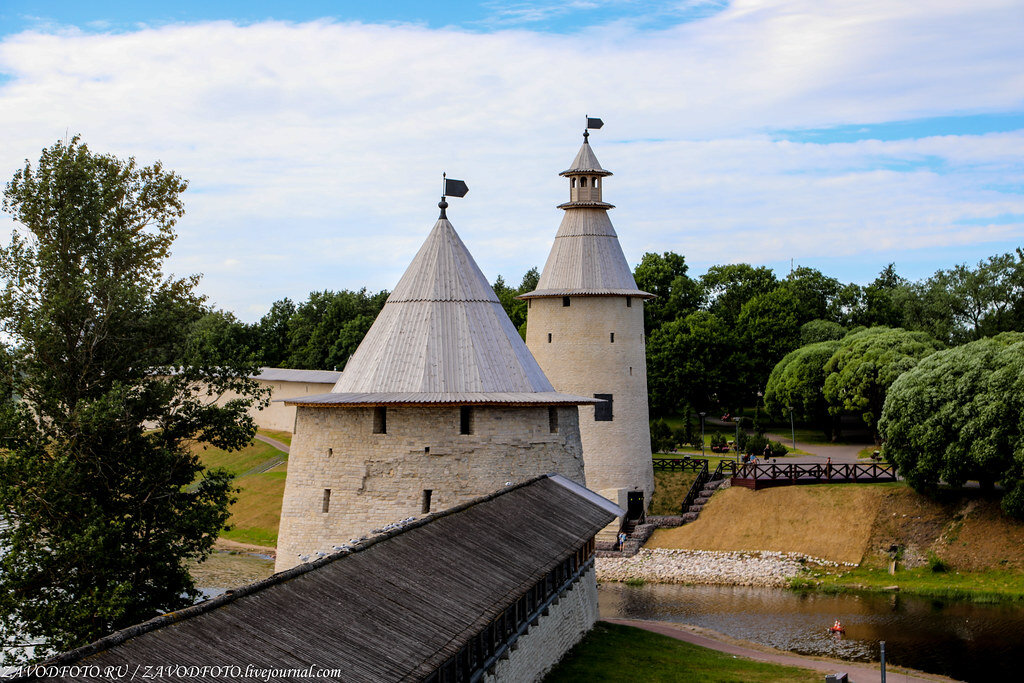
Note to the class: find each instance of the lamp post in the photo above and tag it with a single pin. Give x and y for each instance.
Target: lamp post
(757, 411)
(702, 414)
(792, 429)
(736, 419)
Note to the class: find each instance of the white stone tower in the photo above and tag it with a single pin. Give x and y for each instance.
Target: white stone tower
(440, 404)
(585, 326)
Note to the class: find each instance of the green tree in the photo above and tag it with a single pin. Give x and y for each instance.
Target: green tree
(727, 288)
(866, 364)
(821, 330)
(689, 364)
(326, 329)
(677, 295)
(814, 293)
(272, 333)
(106, 500)
(955, 416)
(799, 381)
(769, 327)
(983, 300)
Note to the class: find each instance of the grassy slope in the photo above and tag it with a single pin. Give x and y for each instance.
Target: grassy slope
(831, 522)
(611, 652)
(669, 490)
(256, 514)
(983, 549)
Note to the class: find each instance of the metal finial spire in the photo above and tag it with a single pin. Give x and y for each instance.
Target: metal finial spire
(455, 188)
(442, 205)
(586, 134)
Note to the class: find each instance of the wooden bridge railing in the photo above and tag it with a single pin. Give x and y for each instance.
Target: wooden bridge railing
(763, 475)
(680, 464)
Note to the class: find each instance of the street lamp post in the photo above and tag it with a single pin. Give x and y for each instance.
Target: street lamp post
(736, 419)
(792, 429)
(702, 414)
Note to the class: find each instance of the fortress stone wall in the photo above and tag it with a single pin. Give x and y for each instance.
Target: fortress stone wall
(580, 357)
(375, 479)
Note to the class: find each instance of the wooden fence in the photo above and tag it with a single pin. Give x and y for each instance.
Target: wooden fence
(764, 475)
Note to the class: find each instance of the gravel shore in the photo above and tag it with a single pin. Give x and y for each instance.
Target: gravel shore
(659, 565)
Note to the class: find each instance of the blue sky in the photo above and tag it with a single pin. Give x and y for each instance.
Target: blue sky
(841, 134)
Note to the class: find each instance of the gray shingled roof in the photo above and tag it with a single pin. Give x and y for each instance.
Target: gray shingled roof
(586, 259)
(394, 607)
(586, 162)
(292, 375)
(443, 332)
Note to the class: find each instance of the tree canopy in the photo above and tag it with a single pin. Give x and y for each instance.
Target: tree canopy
(956, 416)
(798, 381)
(107, 501)
(866, 364)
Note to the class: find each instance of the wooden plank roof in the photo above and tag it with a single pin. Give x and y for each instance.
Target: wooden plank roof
(393, 607)
(586, 259)
(453, 398)
(585, 162)
(443, 331)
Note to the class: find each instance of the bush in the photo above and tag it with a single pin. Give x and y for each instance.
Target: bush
(661, 437)
(936, 564)
(755, 444)
(778, 450)
(719, 441)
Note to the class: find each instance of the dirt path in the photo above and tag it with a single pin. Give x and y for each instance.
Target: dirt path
(279, 445)
(859, 673)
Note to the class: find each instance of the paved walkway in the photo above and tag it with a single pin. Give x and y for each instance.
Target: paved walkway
(838, 452)
(858, 673)
(279, 445)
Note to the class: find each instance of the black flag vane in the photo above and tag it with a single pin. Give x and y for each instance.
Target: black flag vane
(452, 188)
(591, 123)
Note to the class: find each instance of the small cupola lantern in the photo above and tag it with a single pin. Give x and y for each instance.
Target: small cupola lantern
(585, 175)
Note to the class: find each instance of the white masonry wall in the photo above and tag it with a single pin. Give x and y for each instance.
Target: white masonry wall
(544, 645)
(376, 479)
(582, 359)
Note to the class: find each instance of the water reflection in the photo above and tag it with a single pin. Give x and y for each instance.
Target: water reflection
(967, 641)
(225, 570)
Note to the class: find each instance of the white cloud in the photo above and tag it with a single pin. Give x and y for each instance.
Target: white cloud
(314, 150)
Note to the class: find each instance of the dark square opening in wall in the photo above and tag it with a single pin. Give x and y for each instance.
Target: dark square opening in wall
(553, 419)
(380, 420)
(603, 411)
(326, 505)
(629, 302)
(565, 301)
(466, 420)
(427, 494)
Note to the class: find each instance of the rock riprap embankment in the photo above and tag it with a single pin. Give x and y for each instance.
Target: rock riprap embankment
(660, 565)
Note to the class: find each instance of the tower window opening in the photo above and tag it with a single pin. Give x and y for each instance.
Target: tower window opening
(565, 301)
(572, 182)
(594, 182)
(553, 419)
(630, 371)
(603, 411)
(549, 337)
(583, 181)
(629, 302)
(613, 337)
(466, 420)
(325, 506)
(426, 449)
(427, 493)
(380, 420)
(330, 452)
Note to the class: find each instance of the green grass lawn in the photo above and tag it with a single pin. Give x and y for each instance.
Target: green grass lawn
(991, 586)
(257, 512)
(669, 490)
(282, 436)
(611, 652)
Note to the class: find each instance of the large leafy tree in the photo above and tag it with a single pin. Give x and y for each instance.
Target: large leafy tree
(727, 288)
(866, 364)
(956, 416)
(106, 501)
(676, 294)
(815, 293)
(798, 381)
(326, 329)
(769, 327)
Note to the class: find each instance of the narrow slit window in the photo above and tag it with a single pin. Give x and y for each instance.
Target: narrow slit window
(629, 302)
(326, 505)
(466, 420)
(380, 420)
(565, 301)
(603, 410)
(330, 452)
(549, 337)
(613, 337)
(427, 493)
(595, 182)
(553, 419)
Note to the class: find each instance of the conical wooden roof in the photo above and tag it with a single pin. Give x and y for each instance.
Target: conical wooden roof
(442, 337)
(586, 258)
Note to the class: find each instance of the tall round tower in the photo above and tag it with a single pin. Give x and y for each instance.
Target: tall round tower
(585, 327)
(440, 404)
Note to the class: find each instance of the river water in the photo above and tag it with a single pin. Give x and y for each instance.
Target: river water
(966, 641)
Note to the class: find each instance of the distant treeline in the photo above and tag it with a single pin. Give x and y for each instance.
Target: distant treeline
(712, 341)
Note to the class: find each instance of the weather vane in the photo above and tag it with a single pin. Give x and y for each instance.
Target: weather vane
(591, 123)
(450, 188)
